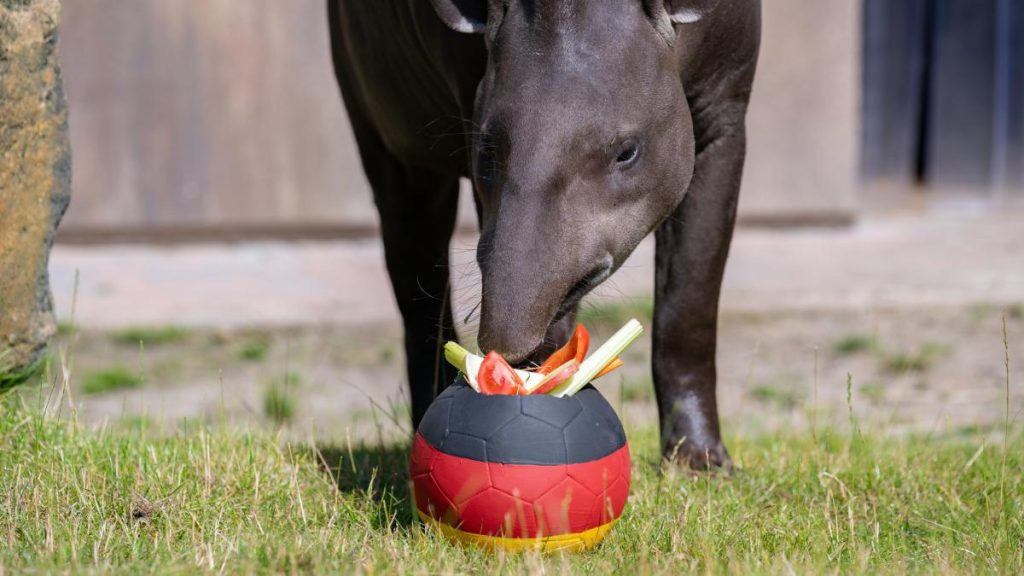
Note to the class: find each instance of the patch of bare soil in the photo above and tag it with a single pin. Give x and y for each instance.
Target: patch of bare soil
(927, 371)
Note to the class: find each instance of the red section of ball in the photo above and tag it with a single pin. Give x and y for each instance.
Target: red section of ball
(519, 500)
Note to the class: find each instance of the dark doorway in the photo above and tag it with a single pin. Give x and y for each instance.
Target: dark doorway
(943, 93)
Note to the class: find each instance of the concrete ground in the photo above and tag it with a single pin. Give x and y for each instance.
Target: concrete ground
(893, 261)
(903, 312)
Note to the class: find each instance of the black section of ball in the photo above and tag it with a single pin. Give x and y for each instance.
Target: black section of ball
(537, 429)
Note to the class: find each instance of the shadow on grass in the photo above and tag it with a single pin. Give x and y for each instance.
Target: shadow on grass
(377, 472)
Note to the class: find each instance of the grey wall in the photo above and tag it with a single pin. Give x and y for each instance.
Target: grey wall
(804, 119)
(213, 112)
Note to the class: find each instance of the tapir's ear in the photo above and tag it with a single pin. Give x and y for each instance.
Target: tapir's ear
(686, 11)
(469, 16)
(664, 12)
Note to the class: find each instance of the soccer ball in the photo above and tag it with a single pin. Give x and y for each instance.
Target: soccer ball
(518, 472)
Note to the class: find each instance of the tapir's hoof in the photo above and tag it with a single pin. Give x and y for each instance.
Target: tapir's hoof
(690, 456)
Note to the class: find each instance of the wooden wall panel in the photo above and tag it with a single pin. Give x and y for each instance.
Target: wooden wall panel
(212, 113)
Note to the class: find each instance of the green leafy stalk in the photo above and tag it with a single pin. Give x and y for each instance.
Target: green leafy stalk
(456, 355)
(603, 356)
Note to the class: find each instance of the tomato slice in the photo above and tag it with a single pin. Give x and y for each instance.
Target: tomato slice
(497, 377)
(559, 375)
(576, 349)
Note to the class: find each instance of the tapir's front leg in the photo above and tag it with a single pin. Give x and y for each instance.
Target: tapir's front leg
(692, 246)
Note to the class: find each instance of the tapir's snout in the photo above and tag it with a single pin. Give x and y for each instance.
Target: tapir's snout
(515, 340)
(526, 314)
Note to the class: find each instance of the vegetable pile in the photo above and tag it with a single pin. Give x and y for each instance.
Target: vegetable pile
(563, 374)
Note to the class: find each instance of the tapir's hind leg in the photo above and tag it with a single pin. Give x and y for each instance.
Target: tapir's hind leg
(417, 210)
(417, 216)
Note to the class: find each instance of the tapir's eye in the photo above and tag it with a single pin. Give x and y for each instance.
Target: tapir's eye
(627, 154)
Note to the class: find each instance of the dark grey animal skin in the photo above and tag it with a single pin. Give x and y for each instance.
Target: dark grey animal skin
(584, 126)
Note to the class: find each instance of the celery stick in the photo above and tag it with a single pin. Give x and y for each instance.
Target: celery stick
(600, 358)
(456, 355)
(460, 358)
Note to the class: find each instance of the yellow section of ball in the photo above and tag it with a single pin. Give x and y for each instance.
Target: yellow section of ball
(576, 542)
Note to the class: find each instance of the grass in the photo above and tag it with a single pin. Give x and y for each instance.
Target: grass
(278, 404)
(279, 398)
(854, 344)
(903, 362)
(149, 335)
(254, 350)
(210, 496)
(213, 497)
(783, 396)
(386, 354)
(919, 360)
(873, 391)
(636, 389)
(615, 313)
(111, 379)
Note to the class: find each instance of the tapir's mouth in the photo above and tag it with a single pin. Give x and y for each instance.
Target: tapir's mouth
(595, 276)
(580, 289)
(541, 348)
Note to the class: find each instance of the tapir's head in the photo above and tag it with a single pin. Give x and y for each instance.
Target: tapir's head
(582, 144)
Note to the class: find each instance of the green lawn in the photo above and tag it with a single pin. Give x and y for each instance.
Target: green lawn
(137, 497)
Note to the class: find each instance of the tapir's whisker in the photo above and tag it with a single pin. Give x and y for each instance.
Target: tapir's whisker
(471, 311)
(425, 292)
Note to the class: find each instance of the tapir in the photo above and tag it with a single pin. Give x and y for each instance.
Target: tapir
(583, 126)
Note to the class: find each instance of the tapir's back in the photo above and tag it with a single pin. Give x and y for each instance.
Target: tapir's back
(717, 55)
(407, 77)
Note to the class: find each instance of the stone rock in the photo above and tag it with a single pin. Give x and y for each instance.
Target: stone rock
(35, 178)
